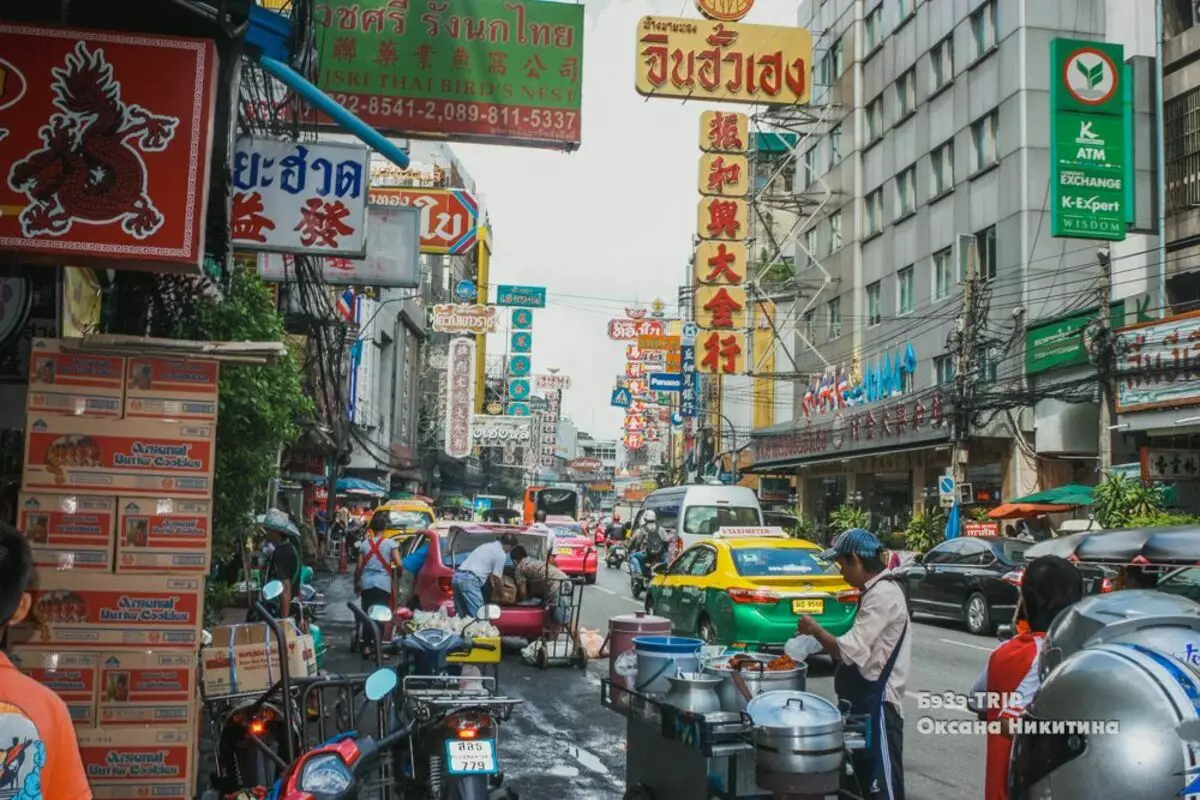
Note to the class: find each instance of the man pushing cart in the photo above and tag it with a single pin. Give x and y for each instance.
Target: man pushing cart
(562, 597)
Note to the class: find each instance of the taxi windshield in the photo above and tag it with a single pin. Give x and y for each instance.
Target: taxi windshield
(408, 520)
(567, 531)
(779, 562)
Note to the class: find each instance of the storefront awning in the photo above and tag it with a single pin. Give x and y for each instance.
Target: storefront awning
(360, 487)
(1017, 510)
(790, 467)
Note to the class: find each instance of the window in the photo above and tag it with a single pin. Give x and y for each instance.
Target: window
(983, 141)
(706, 520)
(810, 166)
(906, 382)
(943, 274)
(837, 59)
(904, 286)
(905, 7)
(874, 203)
(835, 231)
(906, 192)
(906, 100)
(779, 562)
(835, 146)
(810, 325)
(705, 563)
(875, 119)
(810, 242)
(941, 168)
(873, 29)
(987, 368)
(985, 252)
(874, 311)
(834, 309)
(941, 63)
(943, 370)
(983, 29)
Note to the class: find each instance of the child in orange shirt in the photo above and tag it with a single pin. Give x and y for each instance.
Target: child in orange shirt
(39, 755)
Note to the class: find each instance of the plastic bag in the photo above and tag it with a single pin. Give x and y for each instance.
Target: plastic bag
(800, 648)
(592, 641)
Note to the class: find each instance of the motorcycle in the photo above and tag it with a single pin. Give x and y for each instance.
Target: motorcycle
(616, 555)
(639, 575)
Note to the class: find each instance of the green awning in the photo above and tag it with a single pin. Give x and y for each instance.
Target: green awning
(772, 142)
(1071, 494)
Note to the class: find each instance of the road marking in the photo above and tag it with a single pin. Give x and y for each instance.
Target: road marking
(635, 602)
(606, 591)
(966, 644)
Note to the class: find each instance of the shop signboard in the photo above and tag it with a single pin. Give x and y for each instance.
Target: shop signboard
(521, 296)
(630, 329)
(522, 319)
(299, 197)
(724, 132)
(635, 354)
(666, 382)
(452, 318)
(472, 70)
(720, 263)
(1170, 464)
(449, 217)
(392, 261)
(518, 366)
(1088, 146)
(585, 464)
(521, 342)
(1060, 343)
(976, 528)
(722, 353)
(658, 343)
(689, 398)
(720, 218)
(465, 291)
(518, 389)
(724, 175)
(518, 410)
(1156, 366)
(553, 383)
(724, 10)
(497, 431)
(460, 398)
(136, 110)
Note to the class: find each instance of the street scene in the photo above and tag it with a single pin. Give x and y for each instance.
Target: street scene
(598, 399)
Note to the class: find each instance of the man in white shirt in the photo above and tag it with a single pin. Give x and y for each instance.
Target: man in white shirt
(483, 562)
(873, 659)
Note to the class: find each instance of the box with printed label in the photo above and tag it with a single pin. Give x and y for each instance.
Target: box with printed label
(84, 611)
(139, 763)
(162, 388)
(146, 688)
(163, 534)
(64, 380)
(68, 531)
(120, 456)
(245, 658)
(71, 675)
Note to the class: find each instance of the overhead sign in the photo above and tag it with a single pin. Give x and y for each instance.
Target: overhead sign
(521, 296)
(451, 318)
(518, 389)
(518, 366)
(522, 319)
(630, 328)
(505, 73)
(299, 197)
(460, 398)
(1156, 366)
(465, 291)
(724, 62)
(1060, 343)
(554, 382)
(521, 342)
(449, 217)
(105, 145)
(620, 397)
(492, 431)
(1088, 147)
(664, 343)
(666, 382)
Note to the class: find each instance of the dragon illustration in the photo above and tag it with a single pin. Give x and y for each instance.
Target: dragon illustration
(90, 169)
(11, 761)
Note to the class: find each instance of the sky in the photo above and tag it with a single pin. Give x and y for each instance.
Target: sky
(609, 225)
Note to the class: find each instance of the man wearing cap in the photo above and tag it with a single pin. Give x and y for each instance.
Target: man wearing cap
(873, 659)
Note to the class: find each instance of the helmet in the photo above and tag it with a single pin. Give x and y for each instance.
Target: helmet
(649, 517)
(1145, 617)
(1144, 701)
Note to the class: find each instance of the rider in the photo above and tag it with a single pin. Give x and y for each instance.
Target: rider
(647, 546)
(615, 531)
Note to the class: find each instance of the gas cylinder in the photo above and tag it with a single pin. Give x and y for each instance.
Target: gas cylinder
(622, 658)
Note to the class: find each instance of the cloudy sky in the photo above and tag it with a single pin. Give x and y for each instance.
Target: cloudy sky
(609, 225)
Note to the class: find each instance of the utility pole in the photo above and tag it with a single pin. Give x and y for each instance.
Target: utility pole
(1103, 362)
(962, 369)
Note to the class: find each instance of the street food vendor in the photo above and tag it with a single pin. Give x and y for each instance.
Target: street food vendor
(873, 660)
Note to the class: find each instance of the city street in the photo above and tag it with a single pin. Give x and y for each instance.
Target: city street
(562, 745)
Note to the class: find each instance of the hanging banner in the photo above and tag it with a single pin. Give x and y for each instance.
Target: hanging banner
(449, 217)
(451, 318)
(460, 398)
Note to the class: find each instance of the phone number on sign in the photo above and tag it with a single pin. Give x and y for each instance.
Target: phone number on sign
(543, 121)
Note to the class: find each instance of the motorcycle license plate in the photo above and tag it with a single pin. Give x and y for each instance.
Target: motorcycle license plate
(471, 757)
(810, 606)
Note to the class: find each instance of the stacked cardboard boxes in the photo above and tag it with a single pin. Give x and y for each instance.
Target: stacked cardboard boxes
(117, 505)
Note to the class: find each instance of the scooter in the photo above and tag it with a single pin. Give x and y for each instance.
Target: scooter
(616, 555)
(639, 578)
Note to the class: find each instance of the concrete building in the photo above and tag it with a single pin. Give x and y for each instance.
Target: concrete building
(930, 151)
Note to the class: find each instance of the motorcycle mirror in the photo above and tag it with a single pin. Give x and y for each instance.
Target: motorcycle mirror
(380, 684)
(272, 590)
(488, 613)
(380, 613)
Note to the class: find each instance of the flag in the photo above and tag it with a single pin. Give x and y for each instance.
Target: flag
(843, 388)
(806, 403)
(347, 305)
(910, 359)
(953, 522)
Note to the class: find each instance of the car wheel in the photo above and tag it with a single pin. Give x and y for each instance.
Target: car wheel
(590, 579)
(706, 631)
(979, 616)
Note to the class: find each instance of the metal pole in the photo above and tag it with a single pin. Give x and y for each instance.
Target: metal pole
(962, 369)
(1161, 157)
(1103, 362)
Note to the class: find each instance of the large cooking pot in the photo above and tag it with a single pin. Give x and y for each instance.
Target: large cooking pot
(739, 686)
(796, 733)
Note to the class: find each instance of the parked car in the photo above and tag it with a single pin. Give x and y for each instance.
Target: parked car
(976, 580)
(574, 551)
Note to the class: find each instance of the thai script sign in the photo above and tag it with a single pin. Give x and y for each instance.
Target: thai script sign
(460, 398)
(449, 217)
(105, 143)
(631, 329)
(521, 296)
(553, 382)
(723, 61)
(299, 197)
(1158, 365)
(585, 464)
(508, 73)
(496, 431)
(451, 318)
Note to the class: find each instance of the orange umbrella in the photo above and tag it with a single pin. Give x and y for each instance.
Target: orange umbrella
(1015, 510)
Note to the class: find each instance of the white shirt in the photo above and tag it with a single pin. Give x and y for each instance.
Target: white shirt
(882, 617)
(545, 530)
(485, 560)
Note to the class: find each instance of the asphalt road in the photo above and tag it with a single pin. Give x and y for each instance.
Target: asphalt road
(563, 745)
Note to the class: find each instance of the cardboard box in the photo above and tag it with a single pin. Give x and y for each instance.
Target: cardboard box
(245, 658)
(146, 688)
(140, 763)
(72, 675)
(142, 457)
(160, 388)
(66, 381)
(84, 611)
(67, 531)
(162, 534)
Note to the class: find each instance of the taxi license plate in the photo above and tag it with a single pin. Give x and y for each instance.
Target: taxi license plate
(471, 757)
(563, 551)
(812, 606)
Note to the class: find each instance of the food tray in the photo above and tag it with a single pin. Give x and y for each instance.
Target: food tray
(479, 655)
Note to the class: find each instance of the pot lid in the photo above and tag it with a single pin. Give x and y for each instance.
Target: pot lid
(787, 711)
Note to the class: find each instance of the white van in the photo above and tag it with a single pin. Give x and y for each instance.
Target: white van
(698, 512)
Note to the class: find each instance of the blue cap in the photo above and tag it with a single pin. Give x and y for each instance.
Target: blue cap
(854, 542)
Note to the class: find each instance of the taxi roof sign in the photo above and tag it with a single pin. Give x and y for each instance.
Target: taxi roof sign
(742, 533)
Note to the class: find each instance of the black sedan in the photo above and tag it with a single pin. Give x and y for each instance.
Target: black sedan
(977, 580)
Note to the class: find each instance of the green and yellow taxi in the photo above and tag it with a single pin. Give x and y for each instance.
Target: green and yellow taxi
(405, 517)
(748, 587)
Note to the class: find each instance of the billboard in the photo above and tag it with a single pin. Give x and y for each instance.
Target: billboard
(451, 318)
(460, 398)
(449, 217)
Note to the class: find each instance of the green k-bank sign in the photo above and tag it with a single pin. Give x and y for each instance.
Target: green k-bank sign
(1060, 343)
(1088, 144)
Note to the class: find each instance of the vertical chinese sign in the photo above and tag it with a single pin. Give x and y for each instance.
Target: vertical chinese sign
(460, 397)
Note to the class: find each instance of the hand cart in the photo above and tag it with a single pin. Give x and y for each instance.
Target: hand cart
(560, 644)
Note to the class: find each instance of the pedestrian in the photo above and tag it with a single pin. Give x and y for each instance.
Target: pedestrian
(540, 526)
(283, 561)
(320, 522)
(378, 556)
(1049, 585)
(483, 562)
(872, 661)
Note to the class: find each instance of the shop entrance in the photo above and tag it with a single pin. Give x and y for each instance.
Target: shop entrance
(890, 501)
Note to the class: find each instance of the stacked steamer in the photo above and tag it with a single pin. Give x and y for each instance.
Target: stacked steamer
(117, 505)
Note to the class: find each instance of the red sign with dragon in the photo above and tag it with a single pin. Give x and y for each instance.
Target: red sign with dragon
(105, 144)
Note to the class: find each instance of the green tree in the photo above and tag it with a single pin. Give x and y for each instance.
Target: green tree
(926, 529)
(846, 517)
(1118, 500)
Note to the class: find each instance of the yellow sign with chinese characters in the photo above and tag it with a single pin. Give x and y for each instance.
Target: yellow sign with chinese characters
(763, 389)
(720, 263)
(728, 62)
(724, 175)
(723, 218)
(724, 132)
(721, 353)
(720, 307)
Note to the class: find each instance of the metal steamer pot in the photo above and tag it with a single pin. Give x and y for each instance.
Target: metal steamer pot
(740, 685)
(799, 739)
